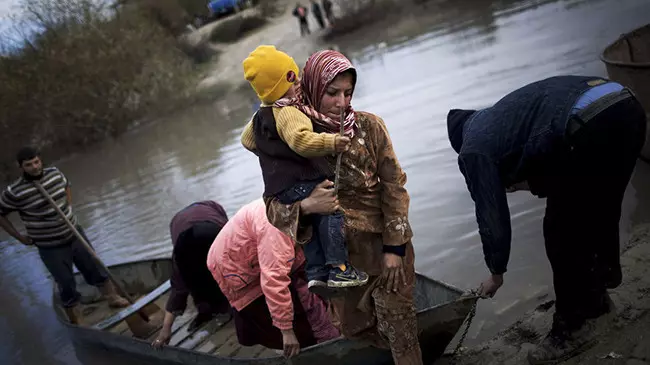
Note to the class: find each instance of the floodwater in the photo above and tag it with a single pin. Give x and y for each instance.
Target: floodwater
(466, 54)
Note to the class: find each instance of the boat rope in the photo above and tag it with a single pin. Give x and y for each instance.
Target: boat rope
(468, 322)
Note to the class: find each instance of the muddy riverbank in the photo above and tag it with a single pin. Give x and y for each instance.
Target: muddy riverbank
(623, 336)
(281, 31)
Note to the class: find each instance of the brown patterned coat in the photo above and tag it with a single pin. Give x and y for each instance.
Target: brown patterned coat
(376, 207)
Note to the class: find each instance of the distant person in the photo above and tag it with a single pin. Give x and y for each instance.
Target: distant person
(329, 14)
(57, 244)
(573, 140)
(318, 13)
(192, 230)
(301, 13)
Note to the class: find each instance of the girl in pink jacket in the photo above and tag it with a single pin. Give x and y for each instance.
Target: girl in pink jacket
(261, 273)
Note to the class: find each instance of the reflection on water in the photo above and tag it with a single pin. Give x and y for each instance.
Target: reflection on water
(450, 55)
(29, 333)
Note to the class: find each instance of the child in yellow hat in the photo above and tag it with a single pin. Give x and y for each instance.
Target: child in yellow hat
(292, 158)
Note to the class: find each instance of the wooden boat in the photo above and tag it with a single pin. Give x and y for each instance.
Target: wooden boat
(442, 310)
(628, 62)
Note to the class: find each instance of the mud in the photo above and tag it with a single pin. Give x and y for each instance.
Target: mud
(623, 336)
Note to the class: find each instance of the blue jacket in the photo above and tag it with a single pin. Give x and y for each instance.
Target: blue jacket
(520, 138)
(220, 6)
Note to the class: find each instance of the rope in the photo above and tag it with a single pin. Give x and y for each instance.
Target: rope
(338, 158)
(468, 322)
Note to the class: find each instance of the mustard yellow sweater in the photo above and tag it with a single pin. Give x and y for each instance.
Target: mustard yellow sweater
(297, 131)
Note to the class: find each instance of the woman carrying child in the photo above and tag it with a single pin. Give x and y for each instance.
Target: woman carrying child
(375, 201)
(291, 151)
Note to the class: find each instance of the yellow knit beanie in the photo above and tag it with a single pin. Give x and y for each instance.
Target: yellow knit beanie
(270, 72)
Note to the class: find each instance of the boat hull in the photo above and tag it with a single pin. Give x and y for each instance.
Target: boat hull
(442, 310)
(628, 62)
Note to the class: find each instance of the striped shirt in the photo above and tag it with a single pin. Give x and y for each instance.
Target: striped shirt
(41, 221)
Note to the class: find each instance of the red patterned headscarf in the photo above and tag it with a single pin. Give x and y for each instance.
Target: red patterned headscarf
(320, 70)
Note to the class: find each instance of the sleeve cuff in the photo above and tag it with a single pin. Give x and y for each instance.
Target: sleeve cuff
(496, 265)
(177, 303)
(498, 271)
(177, 313)
(330, 142)
(282, 325)
(397, 250)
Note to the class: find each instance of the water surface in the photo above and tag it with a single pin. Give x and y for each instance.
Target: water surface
(466, 54)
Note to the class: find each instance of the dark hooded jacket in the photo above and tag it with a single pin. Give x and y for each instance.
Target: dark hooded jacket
(520, 138)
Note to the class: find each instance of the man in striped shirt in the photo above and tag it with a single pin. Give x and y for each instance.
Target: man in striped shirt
(57, 245)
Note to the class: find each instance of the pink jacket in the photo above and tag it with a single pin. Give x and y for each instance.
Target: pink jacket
(250, 258)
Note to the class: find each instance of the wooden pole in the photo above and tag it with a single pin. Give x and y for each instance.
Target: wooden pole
(338, 158)
(87, 246)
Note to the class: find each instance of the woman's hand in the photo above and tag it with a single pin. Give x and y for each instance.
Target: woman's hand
(162, 339)
(165, 333)
(392, 275)
(290, 343)
(321, 201)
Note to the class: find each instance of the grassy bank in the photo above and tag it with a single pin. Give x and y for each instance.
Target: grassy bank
(86, 71)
